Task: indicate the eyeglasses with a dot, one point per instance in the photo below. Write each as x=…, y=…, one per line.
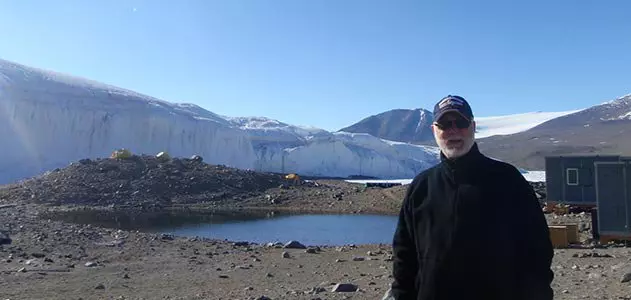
x=460, y=123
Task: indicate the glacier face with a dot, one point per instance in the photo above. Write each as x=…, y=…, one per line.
x=286, y=148
x=48, y=120
x=342, y=154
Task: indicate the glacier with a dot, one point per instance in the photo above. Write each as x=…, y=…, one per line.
x=286, y=148
x=49, y=119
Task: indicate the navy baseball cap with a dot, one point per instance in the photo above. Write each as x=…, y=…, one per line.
x=455, y=104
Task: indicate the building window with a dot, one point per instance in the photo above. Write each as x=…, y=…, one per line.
x=571, y=175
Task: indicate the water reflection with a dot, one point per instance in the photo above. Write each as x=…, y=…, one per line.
x=258, y=227
x=155, y=221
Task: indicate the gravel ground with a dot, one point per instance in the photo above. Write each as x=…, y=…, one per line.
x=55, y=260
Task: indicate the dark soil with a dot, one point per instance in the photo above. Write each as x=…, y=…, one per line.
x=140, y=181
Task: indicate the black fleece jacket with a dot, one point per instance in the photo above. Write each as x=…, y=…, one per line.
x=471, y=228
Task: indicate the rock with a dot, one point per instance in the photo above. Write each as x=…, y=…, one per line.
x=583, y=227
x=285, y=254
x=90, y=264
x=626, y=277
x=358, y=258
x=316, y=290
x=100, y=287
x=294, y=245
x=5, y=239
x=311, y=250
x=344, y=287
x=388, y=295
x=263, y=298
x=594, y=275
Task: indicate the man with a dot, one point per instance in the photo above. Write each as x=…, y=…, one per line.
x=470, y=227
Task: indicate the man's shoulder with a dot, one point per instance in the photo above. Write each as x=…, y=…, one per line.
x=498, y=167
x=424, y=175
x=420, y=181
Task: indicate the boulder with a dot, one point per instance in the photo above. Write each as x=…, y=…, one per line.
x=294, y=245
x=4, y=239
x=344, y=287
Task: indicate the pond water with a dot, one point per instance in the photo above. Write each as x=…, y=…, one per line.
x=261, y=227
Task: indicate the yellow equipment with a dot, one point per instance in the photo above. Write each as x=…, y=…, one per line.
x=294, y=178
x=121, y=154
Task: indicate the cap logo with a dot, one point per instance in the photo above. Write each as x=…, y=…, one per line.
x=450, y=101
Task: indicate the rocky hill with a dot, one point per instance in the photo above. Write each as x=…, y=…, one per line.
x=140, y=181
x=402, y=125
x=601, y=129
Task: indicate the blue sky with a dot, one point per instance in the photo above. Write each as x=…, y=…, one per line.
x=331, y=63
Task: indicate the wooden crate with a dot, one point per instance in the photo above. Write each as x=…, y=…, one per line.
x=572, y=233
x=559, y=236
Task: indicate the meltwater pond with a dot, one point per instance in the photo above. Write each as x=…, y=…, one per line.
x=261, y=227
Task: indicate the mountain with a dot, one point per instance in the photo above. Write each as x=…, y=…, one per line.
x=600, y=129
x=414, y=125
x=48, y=120
x=403, y=125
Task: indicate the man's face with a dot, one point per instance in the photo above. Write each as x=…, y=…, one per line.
x=453, y=141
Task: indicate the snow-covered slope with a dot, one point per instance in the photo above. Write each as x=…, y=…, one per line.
x=48, y=120
x=510, y=124
x=266, y=130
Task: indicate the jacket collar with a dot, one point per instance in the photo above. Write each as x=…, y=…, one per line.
x=466, y=162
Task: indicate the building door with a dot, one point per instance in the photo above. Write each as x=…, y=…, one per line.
x=613, y=216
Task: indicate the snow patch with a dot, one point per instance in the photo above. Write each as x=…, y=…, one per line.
x=511, y=124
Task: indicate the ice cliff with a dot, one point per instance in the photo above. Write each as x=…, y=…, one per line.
x=284, y=148
x=48, y=120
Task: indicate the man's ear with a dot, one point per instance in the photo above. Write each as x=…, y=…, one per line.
x=473, y=126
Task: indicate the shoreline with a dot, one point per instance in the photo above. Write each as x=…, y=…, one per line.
x=57, y=260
